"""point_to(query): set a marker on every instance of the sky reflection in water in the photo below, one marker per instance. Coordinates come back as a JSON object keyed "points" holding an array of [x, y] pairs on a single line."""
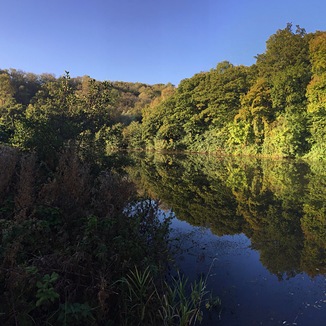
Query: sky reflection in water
{"points": [[250, 294]]}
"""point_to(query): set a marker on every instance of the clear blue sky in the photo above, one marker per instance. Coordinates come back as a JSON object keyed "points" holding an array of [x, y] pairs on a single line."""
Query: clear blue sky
{"points": [[150, 41]]}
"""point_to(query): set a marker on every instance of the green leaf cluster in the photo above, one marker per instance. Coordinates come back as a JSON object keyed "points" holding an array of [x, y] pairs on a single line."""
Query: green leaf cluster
{"points": [[45, 114]]}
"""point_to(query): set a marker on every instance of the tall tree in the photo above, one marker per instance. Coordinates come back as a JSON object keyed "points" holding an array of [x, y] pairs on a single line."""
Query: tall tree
{"points": [[316, 93], [286, 67]]}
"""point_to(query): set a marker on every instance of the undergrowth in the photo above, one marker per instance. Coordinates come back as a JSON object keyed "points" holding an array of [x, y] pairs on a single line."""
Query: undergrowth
{"points": [[72, 255]]}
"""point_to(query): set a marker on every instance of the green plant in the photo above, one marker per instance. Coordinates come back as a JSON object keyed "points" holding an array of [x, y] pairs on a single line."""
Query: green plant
{"points": [[140, 292], [72, 313], [46, 291], [173, 303], [181, 305]]}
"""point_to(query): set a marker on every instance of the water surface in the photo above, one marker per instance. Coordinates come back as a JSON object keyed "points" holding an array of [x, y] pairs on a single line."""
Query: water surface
{"points": [[255, 228]]}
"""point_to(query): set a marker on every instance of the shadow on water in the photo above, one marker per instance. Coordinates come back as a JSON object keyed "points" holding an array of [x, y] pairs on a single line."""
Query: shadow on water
{"points": [[260, 223]]}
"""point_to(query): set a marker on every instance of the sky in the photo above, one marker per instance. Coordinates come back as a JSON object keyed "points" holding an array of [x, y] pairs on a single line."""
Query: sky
{"points": [[148, 41]]}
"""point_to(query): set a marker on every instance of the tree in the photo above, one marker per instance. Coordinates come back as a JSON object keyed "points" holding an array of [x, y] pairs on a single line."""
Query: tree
{"points": [[51, 121], [316, 94], [25, 85], [6, 89], [286, 66], [287, 70], [247, 131], [10, 110]]}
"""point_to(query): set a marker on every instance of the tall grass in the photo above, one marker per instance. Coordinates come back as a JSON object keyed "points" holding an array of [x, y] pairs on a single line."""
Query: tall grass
{"points": [[177, 302]]}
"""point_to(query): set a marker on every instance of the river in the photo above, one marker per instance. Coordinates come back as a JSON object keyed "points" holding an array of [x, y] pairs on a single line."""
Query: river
{"points": [[254, 228]]}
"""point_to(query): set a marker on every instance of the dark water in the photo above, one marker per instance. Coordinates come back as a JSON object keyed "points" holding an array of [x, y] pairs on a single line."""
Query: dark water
{"points": [[255, 228]]}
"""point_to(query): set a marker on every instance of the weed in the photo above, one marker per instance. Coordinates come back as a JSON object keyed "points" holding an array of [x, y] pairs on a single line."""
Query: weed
{"points": [[46, 291]]}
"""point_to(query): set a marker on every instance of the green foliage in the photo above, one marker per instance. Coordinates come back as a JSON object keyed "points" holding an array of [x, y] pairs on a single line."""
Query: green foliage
{"points": [[257, 110], [45, 289], [185, 120], [140, 295], [110, 137], [287, 135], [180, 308], [75, 314], [76, 249], [178, 302], [316, 94], [10, 110], [133, 135], [45, 114], [67, 239]]}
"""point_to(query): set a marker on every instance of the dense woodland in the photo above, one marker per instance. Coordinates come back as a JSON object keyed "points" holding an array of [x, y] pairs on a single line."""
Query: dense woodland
{"points": [[276, 107]]}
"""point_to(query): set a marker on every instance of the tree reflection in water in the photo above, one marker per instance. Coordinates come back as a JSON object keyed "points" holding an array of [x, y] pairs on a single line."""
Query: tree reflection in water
{"points": [[279, 204]]}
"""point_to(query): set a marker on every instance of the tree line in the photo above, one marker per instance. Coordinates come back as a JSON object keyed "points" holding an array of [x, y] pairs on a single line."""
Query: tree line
{"points": [[276, 107]]}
